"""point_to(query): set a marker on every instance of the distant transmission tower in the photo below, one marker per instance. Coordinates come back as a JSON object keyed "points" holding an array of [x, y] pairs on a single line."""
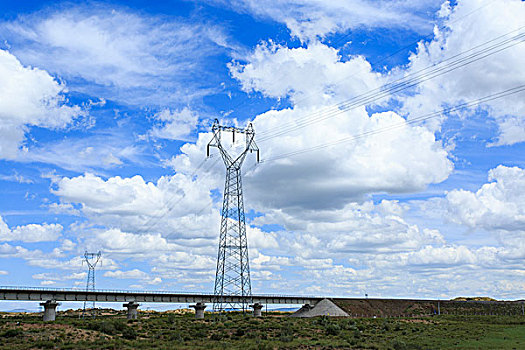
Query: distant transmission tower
{"points": [[91, 260], [233, 267]]}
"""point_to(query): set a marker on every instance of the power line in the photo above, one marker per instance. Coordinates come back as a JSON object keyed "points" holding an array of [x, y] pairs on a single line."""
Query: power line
{"points": [[160, 211], [248, 172], [151, 224], [403, 83], [428, 36], [416, 120]]}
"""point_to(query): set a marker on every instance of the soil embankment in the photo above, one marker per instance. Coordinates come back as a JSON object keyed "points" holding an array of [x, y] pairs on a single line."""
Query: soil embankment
{"points": [[407, 307]]}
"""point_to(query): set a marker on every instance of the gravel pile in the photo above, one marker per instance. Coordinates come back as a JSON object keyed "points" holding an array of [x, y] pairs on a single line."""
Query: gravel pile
{"points": [[323, 308]]}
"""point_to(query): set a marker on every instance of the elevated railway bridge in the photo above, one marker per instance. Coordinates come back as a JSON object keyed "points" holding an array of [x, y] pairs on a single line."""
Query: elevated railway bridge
{"points": [[51, 296], [359, 307]]}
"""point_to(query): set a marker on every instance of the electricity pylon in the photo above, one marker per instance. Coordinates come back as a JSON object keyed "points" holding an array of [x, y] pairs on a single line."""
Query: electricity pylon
{"points": [[91, 260], [233, 267]]}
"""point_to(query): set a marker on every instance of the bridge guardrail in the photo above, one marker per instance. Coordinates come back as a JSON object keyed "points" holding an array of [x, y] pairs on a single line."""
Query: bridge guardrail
{"points": [[123, 291]]}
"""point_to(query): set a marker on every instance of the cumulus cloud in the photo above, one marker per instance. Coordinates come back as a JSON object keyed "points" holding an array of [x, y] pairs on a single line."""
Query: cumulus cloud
{"points": [[30, 233], [175, 125], [49, 260], [326, 234], [179, 206], [497, 205], [406, 159], [442, 256], [117, 53], [29, 97], [309, 75], [162, 254], [354, 229], [493, 74]]}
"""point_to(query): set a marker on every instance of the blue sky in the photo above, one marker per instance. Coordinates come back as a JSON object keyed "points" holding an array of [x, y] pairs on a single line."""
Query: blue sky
{"points": [[106, 110]]}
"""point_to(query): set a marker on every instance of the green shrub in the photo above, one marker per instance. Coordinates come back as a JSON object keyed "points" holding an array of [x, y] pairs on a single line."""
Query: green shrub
{"points": [[10, 333], [357, 334], [333, 329], [399, 345], [323, 321], [176, 337], [216, 336], [286, 334], [129, 333], [43, 344]]}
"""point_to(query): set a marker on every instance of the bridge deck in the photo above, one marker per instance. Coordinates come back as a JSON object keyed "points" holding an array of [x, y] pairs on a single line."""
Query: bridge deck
{"points": [[43, 294]]}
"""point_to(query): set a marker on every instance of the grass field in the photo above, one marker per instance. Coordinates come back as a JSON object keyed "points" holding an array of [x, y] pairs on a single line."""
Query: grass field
{"points": [[275, 331]]}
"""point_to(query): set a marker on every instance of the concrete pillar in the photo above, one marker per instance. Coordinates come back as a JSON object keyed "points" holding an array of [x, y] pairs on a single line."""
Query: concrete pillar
{"points": [[257, 309], [199, 310], [50, 310], [132, 310]]}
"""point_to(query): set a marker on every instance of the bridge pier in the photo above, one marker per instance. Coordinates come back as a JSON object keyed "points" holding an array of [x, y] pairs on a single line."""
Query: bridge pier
{"points": [[50, 310], [257, 309], [199, 310], [132, 310]]}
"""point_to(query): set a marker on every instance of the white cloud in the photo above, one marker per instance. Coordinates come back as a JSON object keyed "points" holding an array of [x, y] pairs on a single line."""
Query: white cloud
{"points": [[310, 75], [2, 272], [155, 281], [330, 236], [15, 177], [114, 241], [444, 256], [55, 259], [59, 277], [497, 205], [175, 125], [29, 97], [154, 248], [354, 229], [178, 205], [30, 233], [117, 53], [259, 239], [134, 274], [130, 274], [68, 245], [106, 150], [76, 276], [311, 18], [405, 159], [493, 74]]}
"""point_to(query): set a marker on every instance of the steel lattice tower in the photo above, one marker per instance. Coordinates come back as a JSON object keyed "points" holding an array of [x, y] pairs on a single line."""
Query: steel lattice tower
{"points": [[91, 260], [233, 267]]}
